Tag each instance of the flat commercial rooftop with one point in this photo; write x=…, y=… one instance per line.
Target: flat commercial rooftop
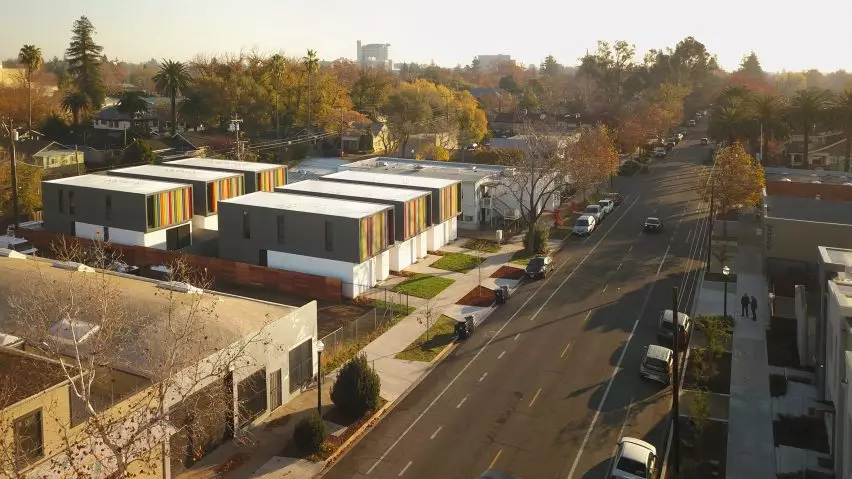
x=118, y=183
x=808, y=209
x=308, y=204
x=353, y=189
x=425, y=169
x=225, y=165
x=807, y=176
x=175, y=173
x=382, y=177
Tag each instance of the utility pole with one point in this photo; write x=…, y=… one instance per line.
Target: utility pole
x=712, y=212
x=761, y=144
x=676, y=384
x=77, y=160
x=342, y=126
x=12, y=138
x=235, y=123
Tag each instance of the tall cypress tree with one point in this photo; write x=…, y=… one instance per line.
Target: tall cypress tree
x=84, y=61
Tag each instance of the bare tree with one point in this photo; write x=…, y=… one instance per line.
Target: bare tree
x=541, y=172
x=428, y=316
x=139, y=368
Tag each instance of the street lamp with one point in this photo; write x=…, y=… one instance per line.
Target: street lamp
x=320, y=347
x=771, y=304
x=725, y=272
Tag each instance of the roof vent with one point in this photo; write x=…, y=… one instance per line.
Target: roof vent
x=73, y=266
x=72, y=332
x=10, y=253
x=180, y=287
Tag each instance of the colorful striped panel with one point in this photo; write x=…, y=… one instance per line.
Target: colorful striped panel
x=415, y=217
x=225, y=189
x=374, y=235
x=268, y=180
x=449, y=202
x=172, y=207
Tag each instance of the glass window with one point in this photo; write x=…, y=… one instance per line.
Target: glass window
x=246, y=225
x=28, y=437
x=70, y=202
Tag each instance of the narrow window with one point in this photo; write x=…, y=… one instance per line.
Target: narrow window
x=70, y=202
x=281, y=229
x=28, y=437
x=109, y=207
x=106, y=233
x=151, y=213
x=329, y=236
x=246, y=225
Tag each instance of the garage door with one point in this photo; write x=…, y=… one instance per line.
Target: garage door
x=301, y=365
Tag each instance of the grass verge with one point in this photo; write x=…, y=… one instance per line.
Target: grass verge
x=522, y=257
x=457, y=262
x=485, y=245
x=440, y=335
x=424, y=286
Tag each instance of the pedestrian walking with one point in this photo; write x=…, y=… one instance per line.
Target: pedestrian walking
x=753, y=308
x=744, y=301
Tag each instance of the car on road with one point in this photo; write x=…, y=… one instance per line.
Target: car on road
x=653, y=225
x=584, y=225
x=665, y=328
x=596, y=211
x=539, y=266
x=657, y=364
x=616, y=198
x=607, y=206
x=705, y=141
x=634, y=459
x=660, y=152
x=670, y=143
x=691, y=123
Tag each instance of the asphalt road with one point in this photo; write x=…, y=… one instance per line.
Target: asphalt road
x=550, y=381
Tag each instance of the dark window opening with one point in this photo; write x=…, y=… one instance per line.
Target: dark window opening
x=301, y=365
x=106, y=233
x=281, y=229
x=275, y=399
x=246, y=225
x=72, y=229
x=70, y=202
x=61, y=200
x=109, y=207
x=251, y=393
x=152, y=218
x=178, y=238
x=29, y=443
x=263, y=258
x=329, y=236
x=210, y=196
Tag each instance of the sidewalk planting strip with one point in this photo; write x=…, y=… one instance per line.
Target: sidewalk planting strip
x=441, y=334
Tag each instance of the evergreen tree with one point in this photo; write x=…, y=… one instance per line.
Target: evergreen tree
x=84, y=61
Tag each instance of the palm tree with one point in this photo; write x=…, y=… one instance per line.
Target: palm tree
x=807, y=108
x=311, y=63
x=132, y=102
x=733, y=93
x=172, y=79
x=276, y=66
x=30, y=56
x=841, y=112
x=75, y=102
x=770, y=111
x=730, y=122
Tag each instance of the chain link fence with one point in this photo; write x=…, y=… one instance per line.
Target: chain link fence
x=345, y=342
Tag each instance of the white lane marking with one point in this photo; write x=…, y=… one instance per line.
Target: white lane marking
x=535, y=397
x=660, y=267
x=604, y=290
x=619, y=266
x=405, y=468
x=688, y=236
x=608, y=387
x=485, y=346
x=483, y=376
x=462, y=402
x=565, y=351
x=587, y=315
x=517, y=336
x=494, y=461
x=631, y=246
x=435, y=434
x=501, y=355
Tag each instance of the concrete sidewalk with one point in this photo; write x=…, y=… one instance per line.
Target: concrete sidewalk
x=751, y=448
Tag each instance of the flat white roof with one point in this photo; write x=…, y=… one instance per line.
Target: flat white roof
x=118, y=183
x=226, y=165
x=371, y=177
x=176, y=172
x=353, y=189
x=308, y=204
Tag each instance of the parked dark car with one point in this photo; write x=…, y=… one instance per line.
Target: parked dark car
x=539, y=266
x=653, y=225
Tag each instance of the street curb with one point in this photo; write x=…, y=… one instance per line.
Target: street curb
x=357, y=434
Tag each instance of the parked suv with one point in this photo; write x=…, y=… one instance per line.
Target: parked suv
x=607, y=206
x=584, y=225
x=665, y=327
x=539, y=266
x=657, y=364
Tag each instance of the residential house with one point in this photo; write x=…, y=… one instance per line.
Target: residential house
x=343, y=239
x=446, y=205
x=834, y=352
x=50, y=155
x=208, y=188
x=258, y=176
x=412, y=213
x=270, y=348
x=365, y=137
x=208, y=144
x=827, y=151
x=110, y=118
x=129, y=211
x=421, y=142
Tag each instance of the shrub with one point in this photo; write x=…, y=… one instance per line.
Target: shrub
x=540, y=235
x=357, y=387
x=309, y=433
x=629, y=168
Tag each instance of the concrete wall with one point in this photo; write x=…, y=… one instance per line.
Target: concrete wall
x=200, y=222
x=798, y=240
x=356, y=278
x=155, y=239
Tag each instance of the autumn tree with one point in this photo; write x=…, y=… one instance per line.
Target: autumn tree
x=737, y=180
x=29, y=187
x=593, y=158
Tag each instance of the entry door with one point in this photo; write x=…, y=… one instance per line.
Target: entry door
x=301, y=365
x=262, y=258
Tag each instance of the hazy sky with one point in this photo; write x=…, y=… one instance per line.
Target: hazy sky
x=450, y=32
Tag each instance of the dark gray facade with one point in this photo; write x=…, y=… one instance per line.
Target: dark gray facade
x=246, y=232
x=252, y=177
x=201, y=195
x=65, y=204
x=398, y=207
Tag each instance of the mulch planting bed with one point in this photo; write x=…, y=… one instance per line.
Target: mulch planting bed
x=719, y=381
x=332, y=443
x=508, y=272
x=803, y=432
x=700, y=457
x=478, y=296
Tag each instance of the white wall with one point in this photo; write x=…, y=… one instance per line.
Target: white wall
x=356, y=278
x=420, y=245
x=402, y=255
x=469, y=203
x=154, y=239
x=442, y=233
x=205, y=222
x=383, y=266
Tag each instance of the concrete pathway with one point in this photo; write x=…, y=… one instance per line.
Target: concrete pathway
x=751, y=449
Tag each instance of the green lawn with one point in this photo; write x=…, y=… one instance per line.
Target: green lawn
x=487, y=246
x=457, y=262
x=522, y=257
x=441, y=334
x=399, y=310
x=424, y=286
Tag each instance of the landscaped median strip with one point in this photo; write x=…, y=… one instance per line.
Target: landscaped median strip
x=440, y=335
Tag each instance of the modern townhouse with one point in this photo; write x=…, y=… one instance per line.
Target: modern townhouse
x=446, y=206
x=258, y=176
x=337, y=238
x=412, y=213
x=130, y=211
x=208, y=188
